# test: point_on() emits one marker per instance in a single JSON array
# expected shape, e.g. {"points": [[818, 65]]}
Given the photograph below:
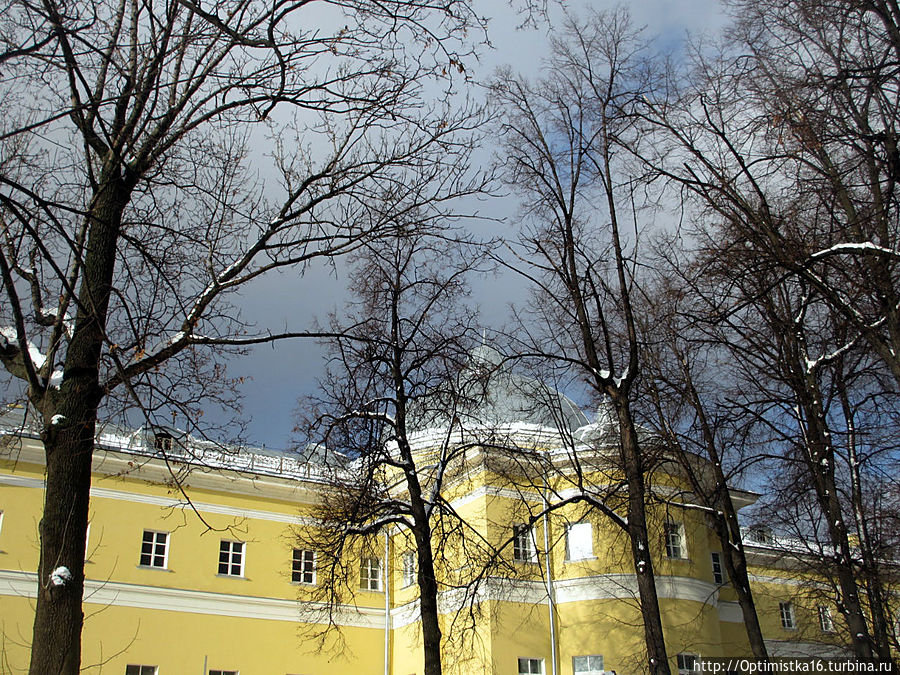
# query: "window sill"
{"points": [[232, 576], [152, 568], [578, 560], [302, 583]]}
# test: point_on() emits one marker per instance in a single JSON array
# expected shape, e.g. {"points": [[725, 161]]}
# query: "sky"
{"points": [[276, 375]]}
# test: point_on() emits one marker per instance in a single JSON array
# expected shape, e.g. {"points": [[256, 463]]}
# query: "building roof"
{"points": [[20, 420], [507, 398]]}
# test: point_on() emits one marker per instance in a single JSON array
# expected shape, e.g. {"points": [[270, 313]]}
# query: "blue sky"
{"points": [[276, 375]]}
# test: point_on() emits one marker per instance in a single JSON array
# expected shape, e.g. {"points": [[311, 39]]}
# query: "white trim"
{"points": [[136, 464], [169, 502], [730, 612], [584, 589], [784, 581], [492, 491], [795, 649], [24, 584]]}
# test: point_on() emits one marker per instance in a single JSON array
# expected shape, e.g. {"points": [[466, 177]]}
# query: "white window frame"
{"points": [[684, 668], [408, 569], [153, 547], [303, 567], [826, 619], [530, 666], [232, 549], [216, 671], [590, 663], [524, 544], [788, 620], [370, 575], [720, 576], [675, 540], [582, 536], [137, 669]]}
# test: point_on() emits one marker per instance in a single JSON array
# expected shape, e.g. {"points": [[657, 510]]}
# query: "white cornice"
{"points": [[169, 502], [24, 584], [566, 591], [155, 469]]}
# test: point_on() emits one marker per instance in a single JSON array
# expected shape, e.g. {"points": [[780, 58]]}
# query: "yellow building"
{"points": [[193, 567]]}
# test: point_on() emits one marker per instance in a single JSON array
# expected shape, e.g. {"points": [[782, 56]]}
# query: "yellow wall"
{"points": [[187, 614]]}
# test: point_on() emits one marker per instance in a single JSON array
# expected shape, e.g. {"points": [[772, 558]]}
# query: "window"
{"points": [[687, 663], [674, 535], [87, 543], [303, 567], [140, 670], [760, 535], [409, 569], [718, 569], [231, 559], [524, 549], [579, 541], [163, 441], [826, 619], [587, 665], [787, 615], [155, 549], [370, 574], [531, 666]]}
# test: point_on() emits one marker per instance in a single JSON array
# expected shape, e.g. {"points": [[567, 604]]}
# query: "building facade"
{"points": [[193, 566]]}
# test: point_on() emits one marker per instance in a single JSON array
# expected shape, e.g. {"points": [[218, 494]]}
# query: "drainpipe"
{"points": [[551, 601], [387, 602]]}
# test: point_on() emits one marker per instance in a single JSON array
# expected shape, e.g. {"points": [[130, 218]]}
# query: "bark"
{"points": [[729, 532], [428, 590], [69, 445], [820, 461], [871, 568], [634, 469], [726, 524]]}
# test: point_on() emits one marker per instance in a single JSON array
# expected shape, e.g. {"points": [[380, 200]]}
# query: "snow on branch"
{"points": [[849, 248]]}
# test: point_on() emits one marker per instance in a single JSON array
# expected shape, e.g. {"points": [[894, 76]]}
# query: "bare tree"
{"points": [[786, 354], [397, 401], [786, 137], [686, 405], [128, 210], [561, 152], [786, 141]]}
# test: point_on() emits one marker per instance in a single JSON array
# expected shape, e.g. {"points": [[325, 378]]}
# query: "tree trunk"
{"points": [[871, 567], [819, 457], [633, 466], [729, 533], [727, 526], [69, 445], [428, 593]]}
